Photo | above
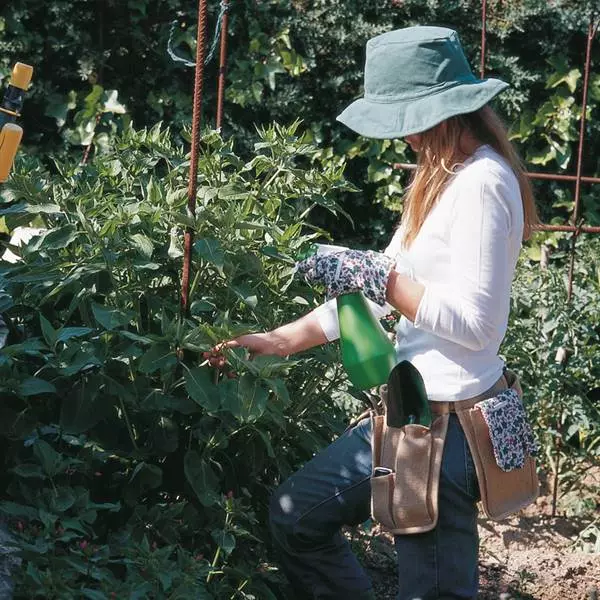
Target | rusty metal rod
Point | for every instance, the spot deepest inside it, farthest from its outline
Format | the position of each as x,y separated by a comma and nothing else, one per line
193,178
576,210
557,177
483,36
222,64
532,175
570,228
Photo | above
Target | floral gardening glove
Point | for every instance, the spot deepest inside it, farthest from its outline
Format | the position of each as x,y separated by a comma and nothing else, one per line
350,271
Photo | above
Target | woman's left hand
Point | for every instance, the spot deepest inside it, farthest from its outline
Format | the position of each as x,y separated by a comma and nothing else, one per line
350,271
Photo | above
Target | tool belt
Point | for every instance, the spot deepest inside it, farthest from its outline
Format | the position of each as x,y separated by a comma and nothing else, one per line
407,463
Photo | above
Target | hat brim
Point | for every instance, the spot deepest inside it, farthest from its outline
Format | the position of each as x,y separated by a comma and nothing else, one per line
389,120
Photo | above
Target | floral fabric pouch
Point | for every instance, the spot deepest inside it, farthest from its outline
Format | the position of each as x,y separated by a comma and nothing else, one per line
510,433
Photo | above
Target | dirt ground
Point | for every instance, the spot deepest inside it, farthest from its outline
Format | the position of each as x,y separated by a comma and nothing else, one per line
531,556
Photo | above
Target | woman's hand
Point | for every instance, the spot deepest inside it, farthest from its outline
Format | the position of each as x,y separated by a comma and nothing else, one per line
290,338
256,343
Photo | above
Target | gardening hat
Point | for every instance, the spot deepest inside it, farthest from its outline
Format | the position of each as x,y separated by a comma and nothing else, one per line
416,78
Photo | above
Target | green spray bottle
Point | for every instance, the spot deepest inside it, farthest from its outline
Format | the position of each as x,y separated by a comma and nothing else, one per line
368,355
370,359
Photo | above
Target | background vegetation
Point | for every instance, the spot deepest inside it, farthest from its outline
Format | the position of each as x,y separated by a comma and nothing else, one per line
130,468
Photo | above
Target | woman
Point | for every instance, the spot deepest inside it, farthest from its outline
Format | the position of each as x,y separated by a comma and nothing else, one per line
448,269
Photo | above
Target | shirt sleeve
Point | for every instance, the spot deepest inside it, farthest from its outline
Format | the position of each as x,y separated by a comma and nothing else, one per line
467,310
327,313
328,318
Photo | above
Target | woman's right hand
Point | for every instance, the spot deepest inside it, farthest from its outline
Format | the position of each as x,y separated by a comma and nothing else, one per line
288,339
256,343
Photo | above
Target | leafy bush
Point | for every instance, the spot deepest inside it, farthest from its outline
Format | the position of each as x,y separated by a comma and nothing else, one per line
554,345
132,469
290,57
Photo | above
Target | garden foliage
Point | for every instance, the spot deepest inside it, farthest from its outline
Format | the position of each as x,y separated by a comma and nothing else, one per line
131,467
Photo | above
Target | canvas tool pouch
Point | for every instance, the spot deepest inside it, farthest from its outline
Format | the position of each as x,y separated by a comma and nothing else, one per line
502,492
406,474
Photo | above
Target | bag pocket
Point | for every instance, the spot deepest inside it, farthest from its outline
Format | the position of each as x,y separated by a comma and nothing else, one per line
510,433
406,470
502,492
382,496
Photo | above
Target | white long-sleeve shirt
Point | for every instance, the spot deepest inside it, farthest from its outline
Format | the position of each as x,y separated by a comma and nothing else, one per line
465,256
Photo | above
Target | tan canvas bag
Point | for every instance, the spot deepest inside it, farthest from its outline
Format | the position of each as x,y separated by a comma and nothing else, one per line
407,463
406,474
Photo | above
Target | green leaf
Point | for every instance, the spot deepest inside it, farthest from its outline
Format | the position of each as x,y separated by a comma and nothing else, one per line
378,170
280,389
58,239
201,306
274,253
66,333
48,331
159,356
23,208
13,509
59,108
92,101
34,385
154,192
62,499
267,442
225,540
594,89
48,457
210,250
570,78
165,435
31,347
29,470
143,244
111,318
246,294
90,594
201,477
145,477
200,387
232,192
250,401
84,406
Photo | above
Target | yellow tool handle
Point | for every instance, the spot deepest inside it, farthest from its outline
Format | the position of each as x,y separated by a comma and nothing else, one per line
10,138
21,75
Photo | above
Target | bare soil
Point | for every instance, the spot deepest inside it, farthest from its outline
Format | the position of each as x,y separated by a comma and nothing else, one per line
531,556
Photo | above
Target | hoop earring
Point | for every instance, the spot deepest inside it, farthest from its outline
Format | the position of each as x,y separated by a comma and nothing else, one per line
453,169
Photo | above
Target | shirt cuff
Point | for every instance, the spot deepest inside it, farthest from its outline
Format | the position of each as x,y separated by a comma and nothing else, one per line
328,320
327,315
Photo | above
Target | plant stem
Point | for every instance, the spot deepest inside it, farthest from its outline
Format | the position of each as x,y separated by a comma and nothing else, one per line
556,468
128,423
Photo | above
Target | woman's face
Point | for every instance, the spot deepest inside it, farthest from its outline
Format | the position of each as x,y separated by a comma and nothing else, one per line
414,141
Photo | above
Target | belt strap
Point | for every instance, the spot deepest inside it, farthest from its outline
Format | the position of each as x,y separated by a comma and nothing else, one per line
443,408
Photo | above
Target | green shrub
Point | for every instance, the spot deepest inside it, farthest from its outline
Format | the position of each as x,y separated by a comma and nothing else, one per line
554,344
131,468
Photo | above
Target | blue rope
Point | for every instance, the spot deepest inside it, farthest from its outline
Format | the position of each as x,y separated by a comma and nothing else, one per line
223,9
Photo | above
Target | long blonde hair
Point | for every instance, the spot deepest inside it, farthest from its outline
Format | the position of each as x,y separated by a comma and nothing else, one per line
439,155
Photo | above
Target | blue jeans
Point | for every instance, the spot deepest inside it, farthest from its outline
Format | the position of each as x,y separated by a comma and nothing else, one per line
308,510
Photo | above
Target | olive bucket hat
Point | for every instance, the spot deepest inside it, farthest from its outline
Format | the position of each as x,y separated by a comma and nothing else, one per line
416,78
